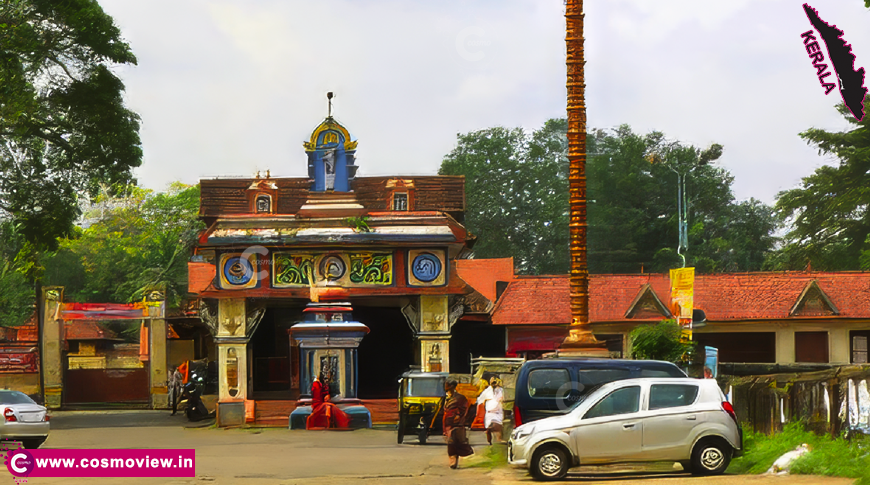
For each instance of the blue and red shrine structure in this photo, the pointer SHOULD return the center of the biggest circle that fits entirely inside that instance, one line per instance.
(385, 246)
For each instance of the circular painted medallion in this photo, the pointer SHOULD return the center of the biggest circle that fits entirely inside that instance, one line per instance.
(332, 268)
(426, 267)
(238, 271)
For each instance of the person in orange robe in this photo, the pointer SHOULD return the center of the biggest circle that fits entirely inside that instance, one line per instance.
(324, 414)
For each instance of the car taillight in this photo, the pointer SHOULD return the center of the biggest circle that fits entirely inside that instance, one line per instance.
(728, 408)
(9, 414)
(47, 418)
(518, 418)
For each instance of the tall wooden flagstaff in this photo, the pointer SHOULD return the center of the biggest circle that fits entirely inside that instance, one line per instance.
(580, 340)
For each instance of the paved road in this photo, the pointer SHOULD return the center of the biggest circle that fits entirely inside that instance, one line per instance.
(280, 456)
(62, 420)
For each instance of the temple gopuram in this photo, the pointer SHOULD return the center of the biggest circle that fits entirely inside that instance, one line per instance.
(386, 246)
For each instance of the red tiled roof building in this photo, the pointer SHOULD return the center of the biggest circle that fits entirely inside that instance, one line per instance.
(783, 317)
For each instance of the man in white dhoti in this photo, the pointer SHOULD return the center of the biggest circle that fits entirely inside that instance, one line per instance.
(492, 399)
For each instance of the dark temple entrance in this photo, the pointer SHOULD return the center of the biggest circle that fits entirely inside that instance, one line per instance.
(385, 353)
(271, 359)
(474, 339)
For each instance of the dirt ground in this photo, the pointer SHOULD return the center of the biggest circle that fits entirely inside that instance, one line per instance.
(280, 456)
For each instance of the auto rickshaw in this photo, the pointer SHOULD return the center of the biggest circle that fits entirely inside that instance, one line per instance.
(421, 404)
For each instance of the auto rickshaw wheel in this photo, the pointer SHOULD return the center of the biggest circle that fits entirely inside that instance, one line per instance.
(423, 433)
(401, 427)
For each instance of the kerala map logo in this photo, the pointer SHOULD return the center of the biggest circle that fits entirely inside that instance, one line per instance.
(850, 80)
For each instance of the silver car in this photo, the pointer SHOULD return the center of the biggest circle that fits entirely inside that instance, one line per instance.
(635, 420)
(23, 420)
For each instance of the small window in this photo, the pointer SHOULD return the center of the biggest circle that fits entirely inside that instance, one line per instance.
(859, 347)
(546, 383)
(811, 347)
(620, 401)
(264, 204)
(400, 201)
(671, 395)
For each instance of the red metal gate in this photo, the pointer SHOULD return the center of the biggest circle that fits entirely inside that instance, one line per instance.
(89, 386)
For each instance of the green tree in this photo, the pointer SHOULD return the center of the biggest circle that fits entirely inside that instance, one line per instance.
(660, 341)
(17, 273)
(517, 202)
(517, 194)
(64, 128)
(633, 208)
(828, 214)
(134, 242)
(17, 297)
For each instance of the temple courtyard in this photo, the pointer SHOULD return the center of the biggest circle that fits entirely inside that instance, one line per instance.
(280, 456)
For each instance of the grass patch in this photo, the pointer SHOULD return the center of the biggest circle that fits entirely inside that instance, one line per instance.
(489, 457)
(828, 456)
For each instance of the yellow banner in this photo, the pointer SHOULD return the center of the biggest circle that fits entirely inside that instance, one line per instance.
(682, 292)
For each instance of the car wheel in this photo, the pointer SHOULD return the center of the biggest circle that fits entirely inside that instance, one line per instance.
(401, 428)
(550, 463)
(710, 457)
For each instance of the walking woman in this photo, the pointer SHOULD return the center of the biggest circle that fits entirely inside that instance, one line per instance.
(455, 421)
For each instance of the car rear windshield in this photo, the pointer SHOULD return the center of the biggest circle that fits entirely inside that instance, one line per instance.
(549, 383)
(593, 378)
(424, 387)
(662, 371)
(14, 397)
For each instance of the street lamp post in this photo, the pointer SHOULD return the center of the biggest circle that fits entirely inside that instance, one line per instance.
(682, 216)
(683, 160)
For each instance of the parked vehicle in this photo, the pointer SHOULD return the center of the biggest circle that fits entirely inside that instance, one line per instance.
(634, 420)
(421, 404)
(195, 410)
(550, 387)
(24, 420)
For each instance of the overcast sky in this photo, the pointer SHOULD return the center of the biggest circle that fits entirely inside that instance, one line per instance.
(226, 88)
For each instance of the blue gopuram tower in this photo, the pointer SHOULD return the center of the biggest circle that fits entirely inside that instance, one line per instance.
(331, 155)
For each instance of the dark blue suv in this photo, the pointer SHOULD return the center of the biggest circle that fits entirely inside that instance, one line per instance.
(549, 387)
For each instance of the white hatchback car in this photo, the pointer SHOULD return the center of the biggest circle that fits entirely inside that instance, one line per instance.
(635, 420)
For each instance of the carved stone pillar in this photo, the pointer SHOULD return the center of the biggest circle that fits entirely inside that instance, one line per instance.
(435, 353)
(157, 364)
(232, 343)
(434, 333)
(52, 346)
(158, 374)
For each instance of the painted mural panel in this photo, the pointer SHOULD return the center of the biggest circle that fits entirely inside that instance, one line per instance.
(238, 271)
(371, 269)
(291, 269)
(342, 269)
(19, 360)
(426, 267)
